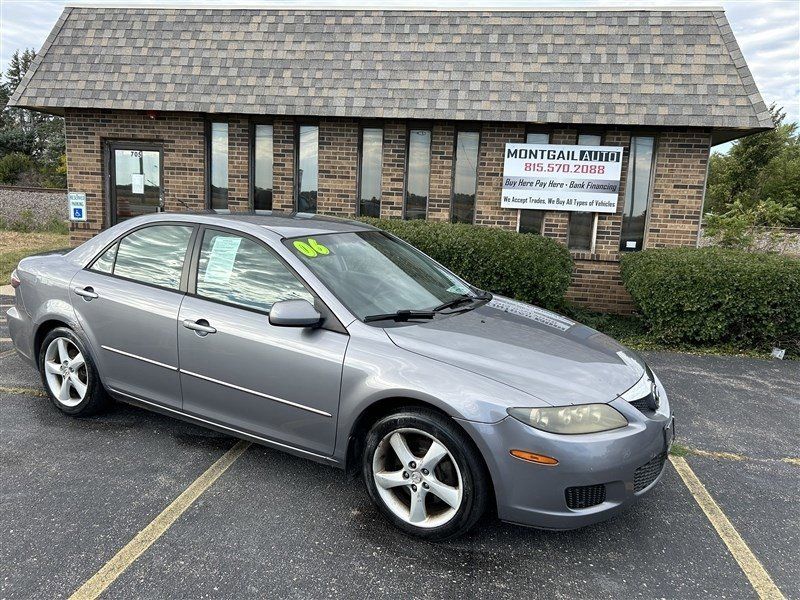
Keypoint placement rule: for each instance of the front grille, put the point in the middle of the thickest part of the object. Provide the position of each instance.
(585, 496)
(648, 472)
(647, 404)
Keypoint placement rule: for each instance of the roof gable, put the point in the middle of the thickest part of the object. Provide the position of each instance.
(638, 67)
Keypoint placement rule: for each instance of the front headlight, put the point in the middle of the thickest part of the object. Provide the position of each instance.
(584, 418)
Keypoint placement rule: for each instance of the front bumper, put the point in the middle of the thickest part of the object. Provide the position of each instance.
(535, 495)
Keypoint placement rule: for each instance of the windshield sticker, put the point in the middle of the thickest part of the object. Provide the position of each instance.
(311, 248)
(220, 262)
(457, 288)
(545, 317)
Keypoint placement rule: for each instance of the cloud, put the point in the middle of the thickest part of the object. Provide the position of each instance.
(768, 32)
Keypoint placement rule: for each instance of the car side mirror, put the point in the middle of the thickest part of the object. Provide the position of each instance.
(294, 313)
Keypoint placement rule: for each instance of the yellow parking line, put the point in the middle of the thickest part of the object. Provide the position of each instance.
(147, 536)
(22, 391)
(7, 353)
(758, 576)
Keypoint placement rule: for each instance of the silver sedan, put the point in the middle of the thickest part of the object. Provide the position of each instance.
(335, 341)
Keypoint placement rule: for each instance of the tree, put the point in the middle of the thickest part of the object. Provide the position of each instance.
(36, 135)
(760, 167)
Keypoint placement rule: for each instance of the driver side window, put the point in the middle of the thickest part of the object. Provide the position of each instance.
(236, 270)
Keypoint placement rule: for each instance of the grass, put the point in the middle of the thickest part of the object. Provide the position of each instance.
(15, 245)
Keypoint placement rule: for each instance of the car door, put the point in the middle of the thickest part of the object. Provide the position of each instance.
(236, 369)
(127, 302)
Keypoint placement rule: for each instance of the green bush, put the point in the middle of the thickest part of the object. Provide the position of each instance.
(716, 295)
(524, 266)
(13, 166)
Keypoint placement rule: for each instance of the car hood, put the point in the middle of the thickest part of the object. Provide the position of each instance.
(536, 351)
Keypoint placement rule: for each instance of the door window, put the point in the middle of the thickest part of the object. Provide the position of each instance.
(136, 187)
(239, 271)
(152, 255)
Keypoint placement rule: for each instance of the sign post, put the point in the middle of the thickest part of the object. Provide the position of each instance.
(571, 178)
(77, 206)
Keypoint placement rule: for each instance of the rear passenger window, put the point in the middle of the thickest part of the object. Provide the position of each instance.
(239, 271)
(153, 255)
(105, 262)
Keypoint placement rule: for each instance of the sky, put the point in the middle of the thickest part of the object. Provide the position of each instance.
(768, 31)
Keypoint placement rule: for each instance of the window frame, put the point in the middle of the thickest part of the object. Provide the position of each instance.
(251, 164)
(519, 220)
(362, 126)
(650, 188)
(549, 132)
(593, 234)
(296, 172)
(209, 121)
(596, 215)
(109, 146)
(424, 126)
(539, 129)
(466, 128)
(194, 267)
(183, 283)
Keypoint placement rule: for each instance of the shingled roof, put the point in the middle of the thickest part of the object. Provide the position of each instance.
(613, 67)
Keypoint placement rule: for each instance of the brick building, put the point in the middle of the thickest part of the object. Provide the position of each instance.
(402, 114)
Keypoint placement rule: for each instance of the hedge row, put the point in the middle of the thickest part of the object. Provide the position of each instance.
(527, 267)
(716, 295)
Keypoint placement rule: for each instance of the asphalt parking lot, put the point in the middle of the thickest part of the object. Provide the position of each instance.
(75, 492)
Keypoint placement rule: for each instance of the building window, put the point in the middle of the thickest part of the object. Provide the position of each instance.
(581, 230)
(369, 183)
(261, 171)
(637, 192)
(307, 173)
(465, 178)
(582, 225)
(532, 221)
(218, 167)
(418, 173)
(537, 137)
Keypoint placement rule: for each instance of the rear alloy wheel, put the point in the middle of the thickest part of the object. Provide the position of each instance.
(65, 372)
(69, 374)
(424, 474)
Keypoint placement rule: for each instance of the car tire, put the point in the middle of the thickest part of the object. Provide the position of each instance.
(63, 357)
(435, 503)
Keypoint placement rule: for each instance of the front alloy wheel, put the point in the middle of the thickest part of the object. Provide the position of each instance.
(417, 478)
(425, 474)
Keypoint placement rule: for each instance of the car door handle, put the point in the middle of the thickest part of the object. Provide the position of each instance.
(87, 293)
(200, 325)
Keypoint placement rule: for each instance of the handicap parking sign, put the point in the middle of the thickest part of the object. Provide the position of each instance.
(77, 206)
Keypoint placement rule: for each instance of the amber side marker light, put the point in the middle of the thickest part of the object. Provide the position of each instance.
(533, 457)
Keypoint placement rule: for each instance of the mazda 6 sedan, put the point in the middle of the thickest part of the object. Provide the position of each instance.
(335, 341)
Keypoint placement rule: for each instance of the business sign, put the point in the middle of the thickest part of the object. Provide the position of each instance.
(548, 177)
(77, 206)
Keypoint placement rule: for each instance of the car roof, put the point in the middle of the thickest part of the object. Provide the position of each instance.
(283, 224)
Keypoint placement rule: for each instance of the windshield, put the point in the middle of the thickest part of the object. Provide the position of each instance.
(372, 273)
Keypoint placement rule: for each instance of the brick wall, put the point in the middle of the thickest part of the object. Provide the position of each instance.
(678, 187)
(181, 135)
(393, 169)
(680, 172)
(441, 185)
(494, 137)
(338, 165)
(283, 164)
